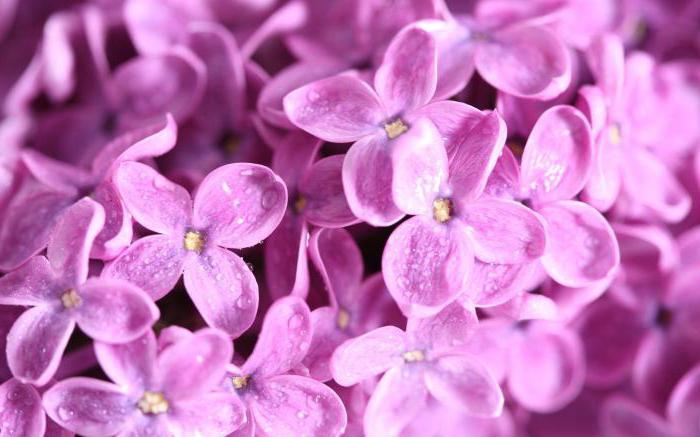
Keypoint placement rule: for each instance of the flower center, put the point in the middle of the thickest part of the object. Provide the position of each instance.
(194, 241)
(240, 382)
(614, 134)
(153, 403)
(343, 318)
(70, 299)
(395, 128)
(664, 317)
(300, 204)
(413, 356)
(442, 210)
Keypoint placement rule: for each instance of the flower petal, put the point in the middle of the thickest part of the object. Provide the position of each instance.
(339, 261)
(223, 289)
(621, 417)
(408, 75)
(367, 355)
(194, 365)
(460, 381)
(56, 174)
(395, 402)
(114, 310)
(36, 343)
(558, 155)
(426, 265)
(131, 365)
(286, 263)
(33, 283)
(606, 59)
(22, 413)
(153, 200)
(493, 284)
(449, 329)
(504, 231)
(153, 263)
(89, 406)
(118, 231)
(504, 180)
(309, 408)
(284, 339)
(240, 204)
(322, 188)
(339, 109)
(214, 413)
(682, 410)
(327, 336)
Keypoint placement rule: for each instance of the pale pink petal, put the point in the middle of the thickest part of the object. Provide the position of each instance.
(621, 417)
(426, 265)
(494, 284)
(689, 247)
(558, 155)
(36, 343)
(327, 336)
(581, 246)
(239, 205)
(592, 103)
(155, 202)
(646, 251)
(284, 339)
(491, 343)
(309, 408)
(395, 402)
(153, 263)
(322, 189)
(503, 231)
(89, 407)
(20, 410)
(683, 408)
(606, 59)
(367, 355)
(460, 381)
(605, 181)
(286, 263)
(223, 289)
(223, 413)
(131, 365)
(118, 229)
(449, 329)
(408, 75)
(504, 180)
(340, 109)
(33, 283)
(338, 259)
(454, 120)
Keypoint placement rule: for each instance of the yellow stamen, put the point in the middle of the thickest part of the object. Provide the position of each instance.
(300, 204)
(395, 128)
(70, 299)
(240, 382)
(442, 210)
(343, 318)
(614, 134)
(413, 356)
(153, 403)
(194, 241)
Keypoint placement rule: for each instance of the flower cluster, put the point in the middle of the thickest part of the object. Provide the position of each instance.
(410, 218)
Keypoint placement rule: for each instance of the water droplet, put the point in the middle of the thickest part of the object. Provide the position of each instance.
(247, 172)
(65, 413)
(302, 414)
(295, 321)
(269, 198)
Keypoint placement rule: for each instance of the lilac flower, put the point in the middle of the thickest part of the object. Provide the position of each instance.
(280, 402)
(423, 361)
(60, 295)
(236, 206)
(21, 412)
(621, 417)
(682, 407)
(166, 392)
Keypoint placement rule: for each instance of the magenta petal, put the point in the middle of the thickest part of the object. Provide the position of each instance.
(558, 155)
(286, 262)
(223, 289)
(367, 182)
(36, 343)
(89, 406)
(682, 408)
(621, 417)
(284, 339)
(449, 329)
(118, 229)
(130, 365)
(340, 109)
(153, 263)
(460, 381)
(223, 414)
(154, 201)
(56, 174)
(581, 246)
(327, 336)
(494, 284)
(395, 402)
(239, 205)
(293, 156)
(504, 181)
(114, 311)
(310, 407)
(69, 247)
(503, 231)
(408, 75)
(322, 187)
(339, 261)
(454, 120)
(426, 265)
(367, 355)
(605, 182)
(525, 61)
(20, 410)
(194, 365)
(33, 283)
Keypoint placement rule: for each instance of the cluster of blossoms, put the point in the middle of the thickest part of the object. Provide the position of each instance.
(410, 217)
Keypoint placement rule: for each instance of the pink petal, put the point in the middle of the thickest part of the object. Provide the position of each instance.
(309, 407)
(408, 75)
(131, 365)
(284, 339)
(89, 406)
(525, 61)
(558, 155)
(153, 263)
(689, 247)
(56, 174)
(69, 247)
(36, 343)
(449, 329)
(682, 408)
(327, 336)
(223, 289)
(114, 311)
(117, 232)
(420, 168)
(367, 173)
(239, 205)
(21, 410)
(504, 180)
(454, 120)
(605, 182)
(194, 365)
(646, 252)
(339, 261)
(460, 381)
(491, 344)
(494, 284)
(153, 200)
(621, 417)
(322, 188)
(475, 156)
(426, 265)
(286, 263)
(33, 283)
(395, 402)
(339, 109)
(368, 355)
(224, 414)
(592, 103)
(503, 231)
(293, 157)
(606, 59)
(581, 246)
